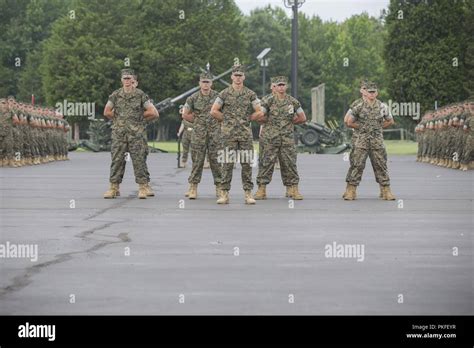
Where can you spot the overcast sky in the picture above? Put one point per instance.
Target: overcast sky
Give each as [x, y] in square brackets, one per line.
[337, 10]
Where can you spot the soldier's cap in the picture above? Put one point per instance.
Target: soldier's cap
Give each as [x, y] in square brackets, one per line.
[205, 76]
[238, 70]
[127, 72]
[10, 97]
[371, 87]
[363, 83]
[279, 79]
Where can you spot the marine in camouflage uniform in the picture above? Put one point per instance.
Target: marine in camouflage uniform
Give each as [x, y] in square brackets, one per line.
[121, 169]
[206, 138]
[278, 141]
[129, 108]
[369, 117]
[355, 132]
[235, 107]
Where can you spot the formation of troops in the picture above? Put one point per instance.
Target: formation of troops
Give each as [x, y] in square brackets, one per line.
[217, 126]
[445, 136]
[30, 134]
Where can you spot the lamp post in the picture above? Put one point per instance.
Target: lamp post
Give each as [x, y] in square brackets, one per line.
[294, 5]
[263, 64]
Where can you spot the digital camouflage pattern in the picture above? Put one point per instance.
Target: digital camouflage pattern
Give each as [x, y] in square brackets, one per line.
[206, 136]
[236, 131]
[128, 134]
[369, 142]
[277, 139]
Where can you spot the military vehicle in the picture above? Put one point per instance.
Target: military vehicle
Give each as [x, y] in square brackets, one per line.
[314, 137]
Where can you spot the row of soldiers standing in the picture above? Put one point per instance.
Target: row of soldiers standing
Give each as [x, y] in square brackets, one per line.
[30, 134]
[446, 138]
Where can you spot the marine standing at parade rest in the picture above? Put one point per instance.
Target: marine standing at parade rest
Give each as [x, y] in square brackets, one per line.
[205, 136]
[370, 116]
[235, 107]
[278, 140]
[129, 108]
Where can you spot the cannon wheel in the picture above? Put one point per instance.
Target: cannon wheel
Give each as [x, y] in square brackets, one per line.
[310, 137]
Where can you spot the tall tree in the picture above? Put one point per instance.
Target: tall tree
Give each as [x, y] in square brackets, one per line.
[165, 41]
[425, 51]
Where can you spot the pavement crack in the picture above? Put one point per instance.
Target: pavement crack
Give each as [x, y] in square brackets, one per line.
[23, 280]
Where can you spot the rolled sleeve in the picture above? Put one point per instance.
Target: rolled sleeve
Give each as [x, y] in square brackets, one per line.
[219, 101]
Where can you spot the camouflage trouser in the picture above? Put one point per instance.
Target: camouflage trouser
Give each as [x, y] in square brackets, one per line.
[199, 152]
[378, 158]
[186, 142]
[284, 150]
[135, 145]
[459, 141]
[6, 143]
[434, 145]
[426, 144]
[121, 166]
[420, 145]
[227, 168]
[468, 150]
[17, 148]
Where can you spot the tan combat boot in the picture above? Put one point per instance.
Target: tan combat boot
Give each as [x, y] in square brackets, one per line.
[350, 193]
[288, 191]
[261, 192]
[456, 164]
[223, 197]
[186, 194]
[218, 191]
[387, 194]
[149, 191]
[464, 167]
[381, 191]
[112, 192]
[142, 191]
[248, 197]
[295, 194]
[193, 191]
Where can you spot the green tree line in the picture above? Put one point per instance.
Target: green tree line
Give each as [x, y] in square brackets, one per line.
[74, 49]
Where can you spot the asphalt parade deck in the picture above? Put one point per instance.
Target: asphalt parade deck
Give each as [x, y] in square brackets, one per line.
[170, 255]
